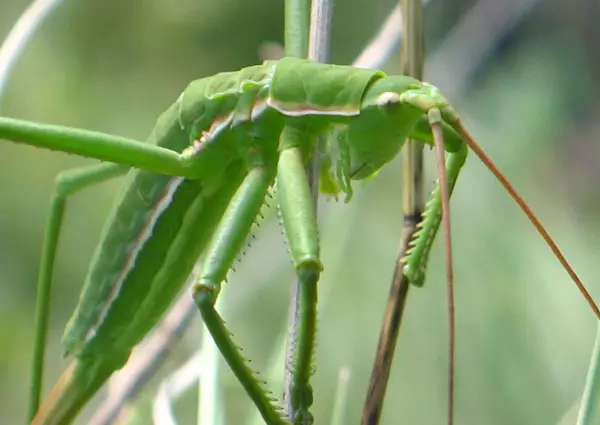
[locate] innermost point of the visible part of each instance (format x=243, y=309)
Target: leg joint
x=205, y=293
x=309, y=264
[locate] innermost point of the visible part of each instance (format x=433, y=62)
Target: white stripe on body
x=146, y=232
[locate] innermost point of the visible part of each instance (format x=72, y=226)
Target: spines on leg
x=262, y=398
x=420, y=246
x=300, y=228
x=131, y=254
x=227, y=242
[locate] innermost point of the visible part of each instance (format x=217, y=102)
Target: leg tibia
x=227, y=242
x=300, y=225
x=235, y=225
x=272, y=414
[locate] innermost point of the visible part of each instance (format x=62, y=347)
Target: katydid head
x=390, y=109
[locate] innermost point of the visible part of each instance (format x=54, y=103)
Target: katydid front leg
x=422, y=241
x=300, y=226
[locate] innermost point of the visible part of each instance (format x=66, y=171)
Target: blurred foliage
x=524, y=332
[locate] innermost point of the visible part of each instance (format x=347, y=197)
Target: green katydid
x=203, y=176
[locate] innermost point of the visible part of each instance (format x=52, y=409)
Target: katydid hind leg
x=67, y=183
x=93, y=144
x=300, y=226
x=227, y=242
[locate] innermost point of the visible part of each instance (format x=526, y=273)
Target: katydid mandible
x=203, y=176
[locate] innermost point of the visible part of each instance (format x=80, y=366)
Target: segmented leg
x=66, y=183
x=227, y=242
x=300, y=225
x=418, y=255
x=436, y=211
x=114, y=149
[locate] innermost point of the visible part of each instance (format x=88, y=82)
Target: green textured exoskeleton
x=224, y=142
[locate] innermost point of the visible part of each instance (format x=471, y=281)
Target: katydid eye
x=388, y=99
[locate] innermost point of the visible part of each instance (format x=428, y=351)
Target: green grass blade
x=588, y=411
x=20, y=35
x=340, y=403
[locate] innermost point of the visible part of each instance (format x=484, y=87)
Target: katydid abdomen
x=101, y=341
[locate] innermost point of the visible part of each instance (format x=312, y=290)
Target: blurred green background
x=530, y=97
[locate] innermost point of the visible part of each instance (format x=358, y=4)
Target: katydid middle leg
x=297, y=212
x=227, y=242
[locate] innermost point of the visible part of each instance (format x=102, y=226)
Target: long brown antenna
x=438, y=138
x=530, y=215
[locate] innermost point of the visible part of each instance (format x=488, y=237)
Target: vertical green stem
x=413, y=59
x=297, y=18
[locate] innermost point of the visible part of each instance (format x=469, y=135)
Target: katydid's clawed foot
x=302, y=353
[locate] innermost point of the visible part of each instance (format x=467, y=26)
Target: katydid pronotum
x=217, y=150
